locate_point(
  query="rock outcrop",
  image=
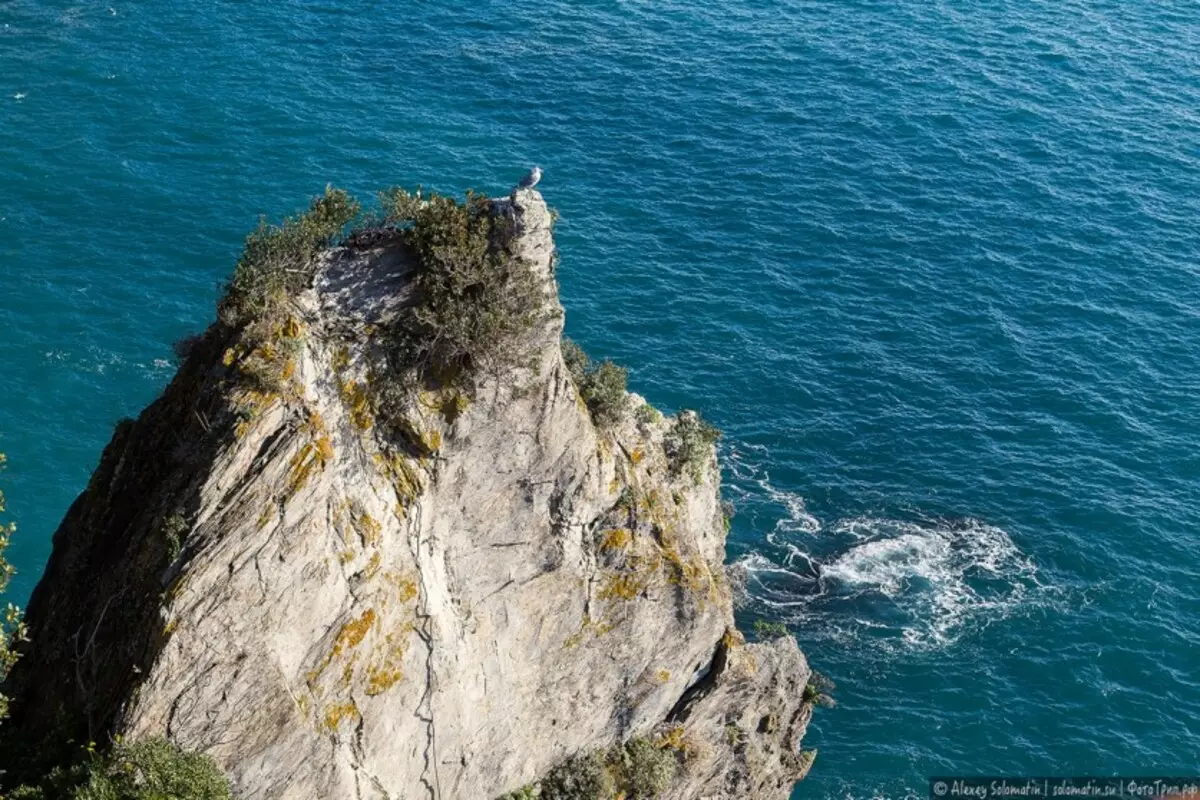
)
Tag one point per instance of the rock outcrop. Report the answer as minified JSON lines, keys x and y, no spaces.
{"x":276,"y":580}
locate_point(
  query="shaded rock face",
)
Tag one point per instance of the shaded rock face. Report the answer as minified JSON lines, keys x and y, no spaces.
{"x":271,"y":579}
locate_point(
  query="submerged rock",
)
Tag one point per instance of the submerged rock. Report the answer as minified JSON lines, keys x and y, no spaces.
{"x":334,"y":599}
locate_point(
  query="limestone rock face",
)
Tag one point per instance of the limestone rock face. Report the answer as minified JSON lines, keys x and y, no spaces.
{"x":273,"y":579}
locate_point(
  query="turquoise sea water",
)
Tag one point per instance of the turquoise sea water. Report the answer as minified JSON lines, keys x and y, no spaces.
{"x":934,"y":267}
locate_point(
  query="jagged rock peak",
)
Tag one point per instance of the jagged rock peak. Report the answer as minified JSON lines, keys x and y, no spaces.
{"x":339,"y":581}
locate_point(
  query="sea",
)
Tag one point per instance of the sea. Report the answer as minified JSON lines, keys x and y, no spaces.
{"x":932,"y":265}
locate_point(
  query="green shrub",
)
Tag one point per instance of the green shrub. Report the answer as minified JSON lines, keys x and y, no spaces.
{"x":648,"y":414}
{"x":602,"y":386}
{"x":279,"y":260}
{"x":475,"y":299}
{"x":583,"y":777}
{"x":12,"y":629}
{"x":689,"y":444}
{"x":529,"y":792}
{"x":153,"y":769}
{"x":817,"y":691}
{"x":764,"y":630}
{"x":174,"y":527}
{"x":645,"y":770}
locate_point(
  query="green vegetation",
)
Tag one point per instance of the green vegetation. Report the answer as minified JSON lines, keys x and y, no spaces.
{"x":640,"y":769}
{"x":584,"y":777}
{"x":153,"y":769}
{"x":475,"y":299}
{"x":602,"y":386}
{"x":645,"y":770}
{"x":764,"y":630}
{"x":174,"y":527}
{"x":279,"y":260}
{"x":12,"y":630}
{"x":647,"y":414}
{"x":689,"y":444}
{"x":817,"y":691}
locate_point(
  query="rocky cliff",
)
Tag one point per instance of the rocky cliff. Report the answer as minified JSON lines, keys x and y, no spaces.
{"x":446,"y":596}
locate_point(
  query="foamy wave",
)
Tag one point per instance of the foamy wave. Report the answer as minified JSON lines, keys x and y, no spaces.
{"x":919,"y":583}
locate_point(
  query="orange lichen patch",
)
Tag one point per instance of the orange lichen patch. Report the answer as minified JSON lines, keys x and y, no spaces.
{"x":675,"y":738}
{"x":692,"y":574}
{"x":387,"y":670}
{"x":369,"y":528}
{"x":362,"y":414}
{"x":291,"y":328}
{"x":733,"y":638}
{"x":621,"y":587}
{"x":353,"y":632}
{"x":338,"y":713}
{"x":616,"y":539}
{"x":637,"y":455}
{"x":403,"y":477}
{"x":311,"y":457}
{"x":406,"y":586}
{"x":307,"y":460}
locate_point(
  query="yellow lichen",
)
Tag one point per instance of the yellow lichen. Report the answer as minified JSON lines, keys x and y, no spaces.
{"x":171,"y":627}
{"x":290,"y":329}
{"x":663,"y":675}
{"x":353,"y":632}
{"x":621,"y":587}
{"x":675,"y":738}
{"x":637,"y":455}
{"x":264,"y":518}
{"x":406,"y":587}
{"x":372,"y":566}
{"x":616,"y":539}
{"x":403,"y":477}
{"x":370,"y":529}
{"x":358,"y":401}
{"x":387,"y":671}
{"x":346,"y":556}
{"x":339,"y":712}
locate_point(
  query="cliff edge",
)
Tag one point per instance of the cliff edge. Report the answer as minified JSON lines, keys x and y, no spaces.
{"x":341,"y":579}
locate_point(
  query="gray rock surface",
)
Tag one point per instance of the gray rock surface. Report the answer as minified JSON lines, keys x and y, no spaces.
{"x":265,"y":578}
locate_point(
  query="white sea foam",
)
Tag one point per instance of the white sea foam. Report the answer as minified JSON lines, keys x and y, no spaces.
{"x":917,"y":582}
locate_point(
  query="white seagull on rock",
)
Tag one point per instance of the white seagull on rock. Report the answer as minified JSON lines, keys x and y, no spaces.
{"x":531,"y":180}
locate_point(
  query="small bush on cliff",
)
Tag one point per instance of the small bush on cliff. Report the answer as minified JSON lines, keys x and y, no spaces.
{"x":689,"y":444}
{"x":153,"y":769}
{"x":765,"y":631}
{"x":645,"y":770}
{"x":817,"y":691}
{"x":602,"y":386}
{"x":581,"y":778}
{"x":12,"y":630}
{"x":475,"y":299}
{"x":279,"y":260}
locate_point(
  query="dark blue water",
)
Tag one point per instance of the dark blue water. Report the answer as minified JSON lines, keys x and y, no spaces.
{"x":934,"y":267}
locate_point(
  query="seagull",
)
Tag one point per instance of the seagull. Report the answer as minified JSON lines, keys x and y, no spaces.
{"x":531,"y":180}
